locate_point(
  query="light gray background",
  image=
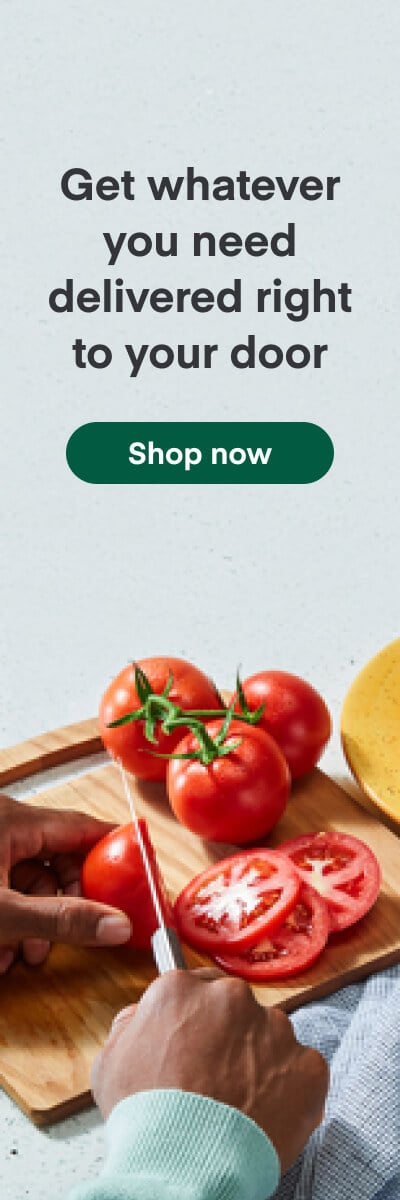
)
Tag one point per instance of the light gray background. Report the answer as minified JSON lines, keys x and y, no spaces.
{"x":301,"y":578}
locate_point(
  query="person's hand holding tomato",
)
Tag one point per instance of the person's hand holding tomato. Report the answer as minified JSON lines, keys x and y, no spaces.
{"x":201,"y":1032}
{"x":41,"y":853}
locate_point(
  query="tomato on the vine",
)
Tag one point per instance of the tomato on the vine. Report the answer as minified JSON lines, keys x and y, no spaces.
{"x":342,"y":869}
{"x":295,"y":715}
{"x":237,"y":797}
{"x":289,"y":950}
{"x":237,"y":901}
{"x":113,"y":873}
{"x":178,"y":681}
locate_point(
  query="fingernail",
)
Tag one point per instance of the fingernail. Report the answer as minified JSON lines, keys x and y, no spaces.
{"x":113,"y":931}
{"x":123,"y":1015}
{"x":35,"y":951}
{"x":6,"y":960}
{"x":73,"y":889}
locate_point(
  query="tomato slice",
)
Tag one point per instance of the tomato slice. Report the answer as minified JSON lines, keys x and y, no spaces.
{"x":237,"y":900}
{"x":342,"y":869}
{"x":290,"y":949}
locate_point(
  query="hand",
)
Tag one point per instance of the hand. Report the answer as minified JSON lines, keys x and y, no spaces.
{"x":41,"y":852}
{"x":203,"y":1032}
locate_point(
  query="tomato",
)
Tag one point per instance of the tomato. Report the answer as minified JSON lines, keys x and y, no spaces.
{"x":237,"y":798}
{"x":295,"y":715}
{"x":289,"y":950}
{"x":191,"y":689}
{"x":342,"y":869}
{"x":113,"y":873}
{"x":236,"y":901}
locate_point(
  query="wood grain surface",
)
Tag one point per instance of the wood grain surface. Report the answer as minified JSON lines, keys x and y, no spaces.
{"x":49,"y":750}
{"x":54,"y":1019}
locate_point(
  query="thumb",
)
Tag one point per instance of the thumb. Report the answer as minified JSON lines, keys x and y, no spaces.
{"x":61,"y":919}
{"x":121,"y":1020}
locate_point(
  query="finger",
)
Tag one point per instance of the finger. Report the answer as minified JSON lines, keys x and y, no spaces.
{"x":178,"y":983}
{"x":4,"y":864}
{"x":94,"y":1073}
{"x":37,"y":880}
{"x":8,"y":955}
{"x":44,"y":832}
{"x":35,"y":951}
{"x":68,"y":869}
{"x":208,"y":973}
{"x":123,"y":1017}
{"x":70,"y":831}
{"x":119,"y":1024}
{"x":61,"y":919}
{"x":33,"y":877}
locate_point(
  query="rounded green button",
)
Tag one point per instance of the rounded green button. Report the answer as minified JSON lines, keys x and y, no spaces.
{"x":200,"y":452}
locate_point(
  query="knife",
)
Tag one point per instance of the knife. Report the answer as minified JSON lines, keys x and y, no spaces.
{"x":166,"y":948}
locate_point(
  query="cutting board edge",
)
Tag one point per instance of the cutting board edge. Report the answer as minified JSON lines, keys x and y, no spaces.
{"x":353,"y":975}
{"x":79,"y":1103}
{"x":48,"y":1116}
{"x":51,"y":749}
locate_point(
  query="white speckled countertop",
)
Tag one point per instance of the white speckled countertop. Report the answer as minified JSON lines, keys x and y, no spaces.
{"x":303,"y":578}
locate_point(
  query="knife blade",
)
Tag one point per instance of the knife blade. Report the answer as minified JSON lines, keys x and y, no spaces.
{"x":166,"y":948}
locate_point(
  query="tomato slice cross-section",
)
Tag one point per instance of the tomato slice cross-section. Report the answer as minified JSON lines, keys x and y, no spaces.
{"x":237,"y":900}
{"x":342,"y":869}
{"x":287,"y":951}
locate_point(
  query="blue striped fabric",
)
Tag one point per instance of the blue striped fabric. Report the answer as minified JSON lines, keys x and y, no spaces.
{"x":355,"y":1155}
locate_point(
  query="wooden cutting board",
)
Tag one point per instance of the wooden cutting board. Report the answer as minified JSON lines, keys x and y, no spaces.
{"x":53,"y":1019}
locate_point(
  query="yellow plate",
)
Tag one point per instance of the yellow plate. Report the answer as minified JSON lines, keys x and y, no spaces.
{"x":370,"y":729}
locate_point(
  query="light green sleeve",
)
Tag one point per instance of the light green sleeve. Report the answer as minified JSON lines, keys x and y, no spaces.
{"x":172,"y":1145}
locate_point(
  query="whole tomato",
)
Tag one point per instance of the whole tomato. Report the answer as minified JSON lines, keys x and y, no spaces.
{"x":295,"y":715}
{"x":236,"y":798}
{"x":113,"y":873}
{"x":190,"y":689}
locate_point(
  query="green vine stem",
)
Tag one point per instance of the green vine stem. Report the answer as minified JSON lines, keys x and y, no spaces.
{"x":157,"y":708}
{"x":209,"y":748}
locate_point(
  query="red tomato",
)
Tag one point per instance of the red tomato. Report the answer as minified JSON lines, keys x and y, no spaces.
{"x":291,"y":949}
{"x":237,"y":798}
{"x":190,"y":690}
{"x":236,"y":901}
{"x":113,"y":873}
{"x":342,"y":869}
{"x":295,"y":715}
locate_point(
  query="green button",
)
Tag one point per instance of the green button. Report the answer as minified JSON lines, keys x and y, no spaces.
{"x":200,"y":452}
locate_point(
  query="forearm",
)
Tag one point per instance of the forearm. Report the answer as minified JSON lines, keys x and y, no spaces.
{"x":175,"y":1145}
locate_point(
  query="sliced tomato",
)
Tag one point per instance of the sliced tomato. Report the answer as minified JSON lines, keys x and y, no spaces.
{"x":290,"y":949}
{"x":237,"y":901}
{"x":342,"y":869}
